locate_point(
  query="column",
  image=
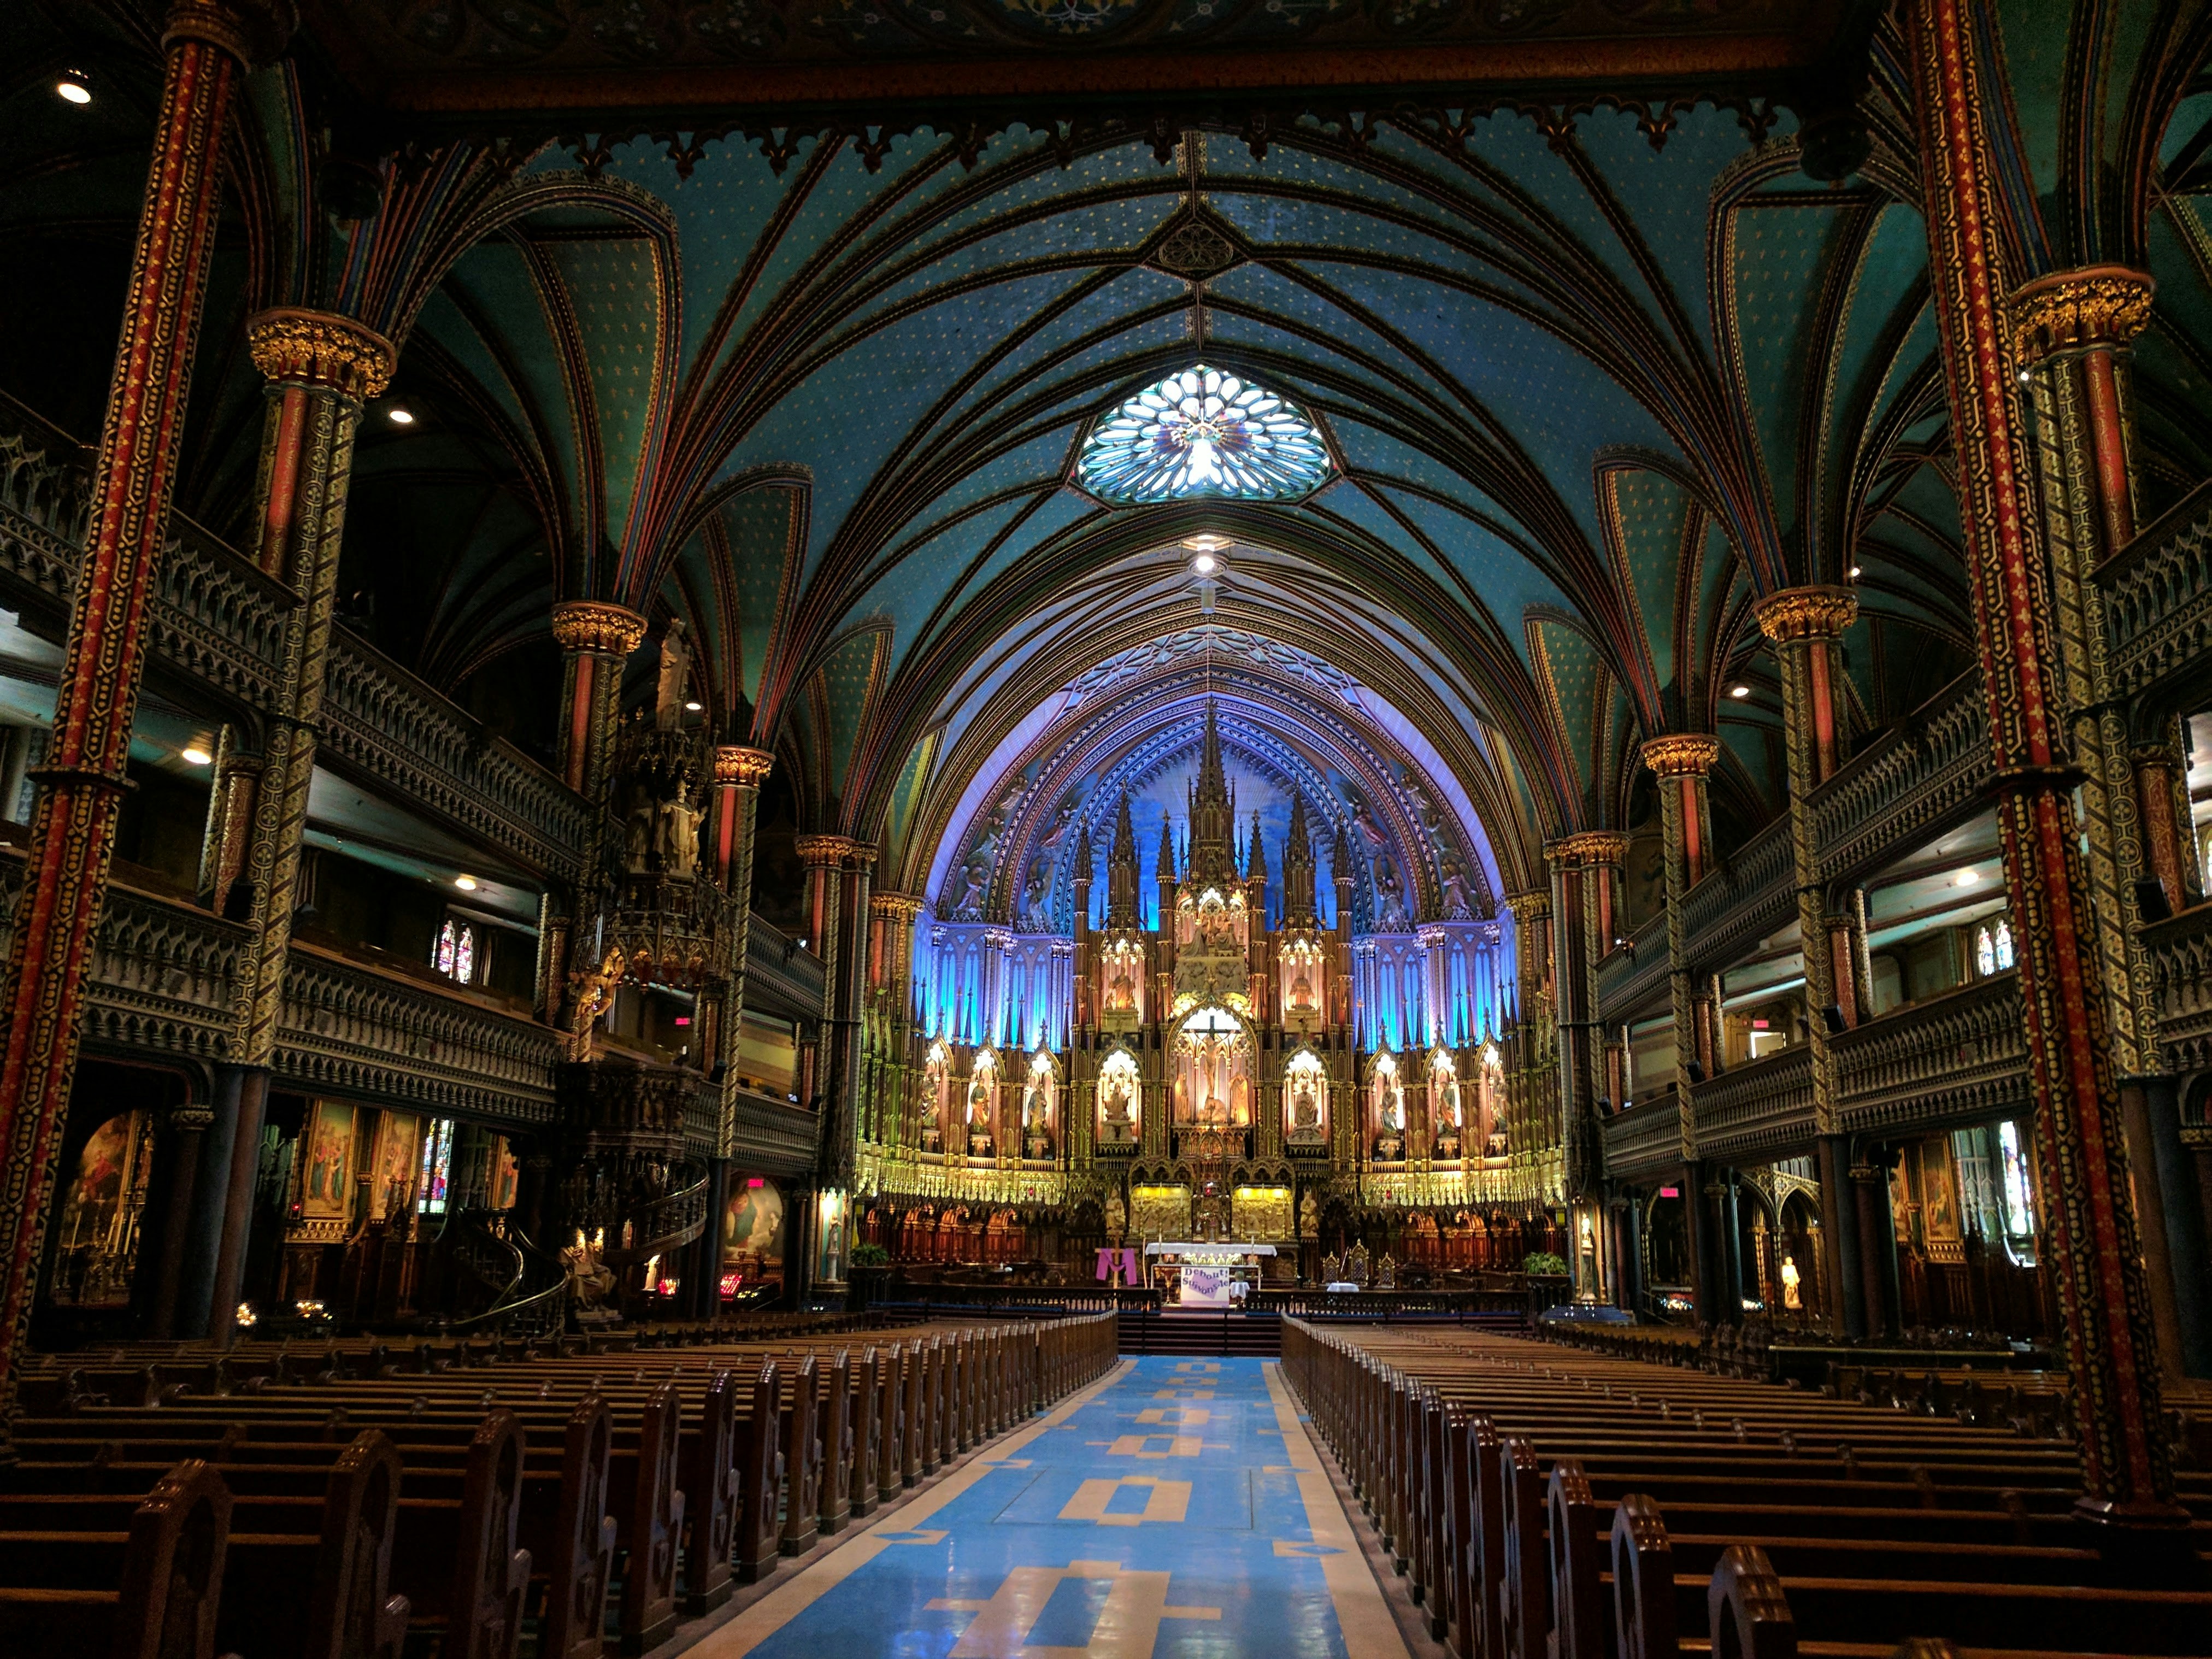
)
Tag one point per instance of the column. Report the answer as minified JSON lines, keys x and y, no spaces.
{"x":892,"y":972}
{"x":596,"y":639}
{"x":81,"y":784}
{"x":1682,"y":762}
{"x":1806,"y":627}
{"x":1585,"y":867}
{"x":2072,"y":335}
{"x":320,"y":368}
{"x":1533,"y":1119}
{"x":2094,"y":1254}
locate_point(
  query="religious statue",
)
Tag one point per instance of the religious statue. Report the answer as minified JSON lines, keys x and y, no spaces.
{"x":678,"y":827}
{"x":1117,"y":1216}
{"x":979,"y":1118}
{"x":1459,"y":900}
{"x":1039,"y":888}
{"x":1117,"y":1100}
{"x":1121,"y":982}
{"x":1308,"y":1216}
{"x":1037,"y":1137}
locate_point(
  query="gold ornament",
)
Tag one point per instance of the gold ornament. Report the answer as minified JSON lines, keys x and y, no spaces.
{"x":733,"y":764}
{"x":895,"y":907}
{"x":1807,"y":613}
{"x":2073,"y":310}
{"x":1681,"y":754}
{"x":595,"y":625}
{"x":1587,"y":847}
{"x":824,"y":852}
{"x":323,"y":349}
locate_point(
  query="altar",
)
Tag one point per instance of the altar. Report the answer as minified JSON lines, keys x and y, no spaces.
{"x":1207,"y":1275}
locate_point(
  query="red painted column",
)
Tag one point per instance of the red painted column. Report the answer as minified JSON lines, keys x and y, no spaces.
{"x":596,"y":639}
{"x":2094,"y":1249}
{"x":80,"y":786}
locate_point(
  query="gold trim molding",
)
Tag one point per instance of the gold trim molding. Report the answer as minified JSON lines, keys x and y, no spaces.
{"x":2078,"y":310}
{"x":1807,"y":613}
{"x":895,"y":907}
{"x":827,"y":851}
{"x":613,"y":630}
{"x":736,"y":764}
{"x":1681,"y":754}
{"x":324,"y":350}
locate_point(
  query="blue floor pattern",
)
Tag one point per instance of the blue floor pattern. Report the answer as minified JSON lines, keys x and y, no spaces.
{"x":1180,"y":1512}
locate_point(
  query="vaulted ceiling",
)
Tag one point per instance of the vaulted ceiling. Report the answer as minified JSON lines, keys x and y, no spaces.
{"x":1593,"y":380}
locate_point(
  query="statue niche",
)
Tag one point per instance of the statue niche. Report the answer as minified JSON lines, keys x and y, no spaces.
{"x":982,"y":1103}
{"x":936,"y":1092}
{"x":1212,"y":1071}
{"x":1039,"y":1090}
{"x":1119,"y":1092}
{"x":661,"y":785}
{"x":1305,"y":1100}
{"x":1444,"y":1103}
{"x":1388,"y":1096}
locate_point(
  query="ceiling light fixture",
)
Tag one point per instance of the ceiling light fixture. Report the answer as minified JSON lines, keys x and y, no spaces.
{"x":73,"y":86}
{"x":1739,"y":691}
{"x":466,"y":883}
{"x":1207,"y":543}
{"x":691,"y":708}
{"x":400,"y":415}
{"x":1968,"y":877}
{"x":1206,"y":564}
{"x":1854,"y":573}
{"x":193,"y":755}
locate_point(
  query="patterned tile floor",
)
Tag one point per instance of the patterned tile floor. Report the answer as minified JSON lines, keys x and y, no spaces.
{"x":1176,"y":1510}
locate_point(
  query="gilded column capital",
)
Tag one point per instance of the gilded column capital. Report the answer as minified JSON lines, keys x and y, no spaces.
{"x":594,"y":625}
{"x":860,"y":854}
{"x":735,"y":764}
{"x":1534,"y":905}
{"x":254,"y":32}
{"x":820,"y":852}
{"x":896,"y":907}
{"x":1681,"y":754}
{"x":1807,"y":613}
{"x":1586,"y":848}
{"x":322,"y":349}
{"x":2076,"y":310}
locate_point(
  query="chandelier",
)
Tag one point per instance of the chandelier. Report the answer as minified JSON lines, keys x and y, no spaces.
{"x":1203,"y":433}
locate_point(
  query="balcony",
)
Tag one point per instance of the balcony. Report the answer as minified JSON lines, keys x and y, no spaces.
{"x":1948,"y":1061}
{"x":1749,"y":896}
{"x":781,"y":976}
{"x":2158,"y":608}
{"x":2180,"y":952}
{"x":1632,"y":980}
{"x":1642,"y":1141}
{"x":1753,"y":1112}
{"x":1907,"y":786}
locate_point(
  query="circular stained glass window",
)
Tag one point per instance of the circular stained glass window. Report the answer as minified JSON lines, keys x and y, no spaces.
{"x":1201,"y":433}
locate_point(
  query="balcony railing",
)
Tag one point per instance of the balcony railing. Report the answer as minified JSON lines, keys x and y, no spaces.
{"x":2180,"y":952}
{"x":1748,"y":897}
{"x":1949,"y":1060}
{"x":1634,"y":976}
{"x":1907,"y":787}
{"x":1643,"y":1141}
{"x":2158,"y":605}
{"x":781,"y":977}
{"x":387,"y":1033}
{"x":1755,"y":1112}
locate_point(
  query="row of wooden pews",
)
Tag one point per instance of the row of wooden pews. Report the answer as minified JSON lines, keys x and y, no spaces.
{"x":574,"y":1499}
{"x":1542,"y":1500}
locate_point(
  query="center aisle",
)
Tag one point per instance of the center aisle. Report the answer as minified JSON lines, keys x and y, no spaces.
{"x":1176,"y":1508}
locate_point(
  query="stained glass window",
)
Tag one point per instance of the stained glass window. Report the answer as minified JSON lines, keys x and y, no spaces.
{"x":1202,"y":433}
{"x":465,"y":955}
{"x":442,"y":958}
{"x":1985,"y":952}
{"x":2003,"y":945}
{"x":437,"y":1165}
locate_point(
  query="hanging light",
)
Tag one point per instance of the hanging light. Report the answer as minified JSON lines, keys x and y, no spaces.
{"x":1206,"y":564}
{"x":73,"y":86}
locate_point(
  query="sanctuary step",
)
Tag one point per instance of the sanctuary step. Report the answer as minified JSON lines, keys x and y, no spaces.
{"x":1177,"y":1331}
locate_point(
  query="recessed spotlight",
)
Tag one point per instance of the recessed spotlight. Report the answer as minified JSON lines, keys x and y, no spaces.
{"x":73,"y":86}
{"x":1968,"y":877}
{"x":1739,"y":691}
{"x":692,"y":708}
{"x":2023,"y":376}
{"x":193,"y":755}
{"x":1854,"y":573}
{"x":400,"y":415}
{"x":466,"y":883}
{"x":1206,"y":564}
{"x":1208,"y":542}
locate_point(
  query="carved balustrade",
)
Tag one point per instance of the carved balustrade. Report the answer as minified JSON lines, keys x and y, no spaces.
{"x":2180,"y":952}
{"x":2158,"y":607}
{"x":1747,"y":898}
{"x":781,"y":977}
{"x":777,"y":1137}
{"x":1642,"y":1141}
{"x":1633,"y":978}
{"x":1948,"y":1061}
{"x":1907,"y":787}
{"x":388,"y":1036}
{"x":1752,"y":1113}
{"x":162,"y":971}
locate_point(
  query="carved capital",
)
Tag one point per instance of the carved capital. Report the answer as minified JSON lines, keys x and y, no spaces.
{"x":1807,"y":613}
{"x":254,"y":32}
{"x":821,"y":852}
{"x":595,"y":625}
{"x":733,"y":764}
{"x":1535,"y":905}
{"x":895,"y":907}
{"x":322,"y":349}
{"x":2078,"y":310}
{"x":1682,"y":754}
{"x":1587,"y":849}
